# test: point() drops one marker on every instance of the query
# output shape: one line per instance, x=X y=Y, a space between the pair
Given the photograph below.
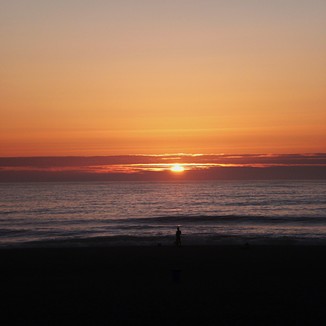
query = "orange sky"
x=130 y=77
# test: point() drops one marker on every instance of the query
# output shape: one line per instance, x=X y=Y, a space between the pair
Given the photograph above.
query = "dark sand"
x=164 y=286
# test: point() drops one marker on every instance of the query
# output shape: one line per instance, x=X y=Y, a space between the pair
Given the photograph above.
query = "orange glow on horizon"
x=178 y=168
x=155 y=167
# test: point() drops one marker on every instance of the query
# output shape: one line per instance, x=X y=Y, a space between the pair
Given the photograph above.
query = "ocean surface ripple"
x=147 y=213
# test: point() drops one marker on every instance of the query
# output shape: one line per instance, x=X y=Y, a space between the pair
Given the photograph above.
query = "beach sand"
x=161 y=285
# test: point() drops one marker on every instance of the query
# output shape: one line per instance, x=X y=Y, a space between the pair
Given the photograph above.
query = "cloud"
x=157 y=167
x=78 y=161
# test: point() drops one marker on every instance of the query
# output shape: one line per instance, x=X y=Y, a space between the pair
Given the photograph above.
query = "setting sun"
x=177 y=168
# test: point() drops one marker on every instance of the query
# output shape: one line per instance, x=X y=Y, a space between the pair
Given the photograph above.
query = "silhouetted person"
x=178 y=238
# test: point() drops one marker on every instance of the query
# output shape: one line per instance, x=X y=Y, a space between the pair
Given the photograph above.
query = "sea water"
x=147 y=213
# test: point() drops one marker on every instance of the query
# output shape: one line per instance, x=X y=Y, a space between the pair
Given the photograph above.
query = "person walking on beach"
x=178 y=237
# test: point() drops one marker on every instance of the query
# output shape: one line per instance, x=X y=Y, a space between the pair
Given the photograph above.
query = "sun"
x=177 y=168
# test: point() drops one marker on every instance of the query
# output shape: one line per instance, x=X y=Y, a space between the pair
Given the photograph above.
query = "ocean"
x=147 y=213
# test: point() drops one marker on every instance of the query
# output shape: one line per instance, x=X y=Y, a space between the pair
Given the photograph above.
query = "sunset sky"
x=98 y=78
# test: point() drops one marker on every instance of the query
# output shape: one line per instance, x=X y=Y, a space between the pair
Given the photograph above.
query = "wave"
x=172 y=220
x=218 y=219
x=164 y=240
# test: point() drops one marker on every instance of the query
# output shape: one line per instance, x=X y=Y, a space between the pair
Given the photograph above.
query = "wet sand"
x=203 y=285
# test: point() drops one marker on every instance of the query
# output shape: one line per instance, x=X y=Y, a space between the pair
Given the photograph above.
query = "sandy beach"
x=223 y=285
